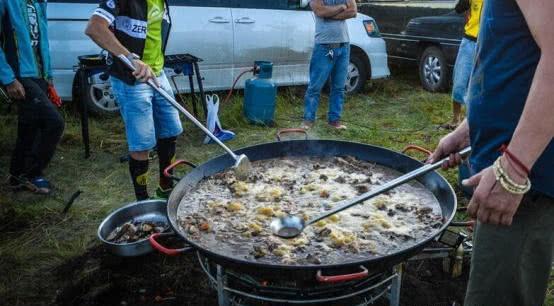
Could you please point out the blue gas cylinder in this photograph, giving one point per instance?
(260, 93)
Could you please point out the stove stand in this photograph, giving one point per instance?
(236, 289)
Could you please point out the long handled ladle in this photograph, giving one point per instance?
(242, 165)
(292, 226)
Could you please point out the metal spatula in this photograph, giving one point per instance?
(242, 165)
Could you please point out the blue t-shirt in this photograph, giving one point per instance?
(331, 31)
(506, 60)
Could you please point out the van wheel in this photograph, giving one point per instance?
(358, 73)
(433, 70)
(99, 97)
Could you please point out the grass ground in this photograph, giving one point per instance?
(37, 237)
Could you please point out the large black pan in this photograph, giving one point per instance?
(315, 148)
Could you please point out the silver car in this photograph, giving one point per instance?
(229, 35)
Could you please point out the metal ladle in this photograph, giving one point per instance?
(242, 166)
(292, 226)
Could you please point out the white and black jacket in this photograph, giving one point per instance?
(128, 20)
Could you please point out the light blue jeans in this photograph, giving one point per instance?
(327, 63)
(462, 70)
(147, 115)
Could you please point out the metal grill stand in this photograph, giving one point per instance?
(83, 71)
(187, 65)
(233, 289)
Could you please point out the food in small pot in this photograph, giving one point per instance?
(133, 231)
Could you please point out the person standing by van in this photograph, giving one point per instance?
(330, 59)
(26, 75)
(466, 54)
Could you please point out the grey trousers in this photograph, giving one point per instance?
(511, 264)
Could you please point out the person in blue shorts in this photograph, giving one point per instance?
(138, 30)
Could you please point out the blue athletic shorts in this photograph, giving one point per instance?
(147, 115)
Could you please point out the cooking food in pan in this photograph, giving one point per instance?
(232, 216)
(134, 231)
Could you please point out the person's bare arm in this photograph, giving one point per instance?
(98, 29)
(350, 12)
(326, 11)
(535, 129)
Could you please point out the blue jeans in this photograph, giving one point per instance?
(322, 66)
(462, 70)
(147, 115)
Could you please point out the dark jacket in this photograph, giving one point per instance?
(17, 57)
(128, 19)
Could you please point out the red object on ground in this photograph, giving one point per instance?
(53, 96)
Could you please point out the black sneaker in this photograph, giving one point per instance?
(17, 183)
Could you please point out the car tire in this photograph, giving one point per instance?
(99, 97)
(358, 73)
(434, 73)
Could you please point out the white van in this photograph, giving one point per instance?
(229, 35)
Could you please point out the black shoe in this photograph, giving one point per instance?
(17, 183)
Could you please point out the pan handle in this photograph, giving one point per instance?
(167, 251)
(175, 164)
(469, 224)
(287, 131)
(417, 148)
(341, 278)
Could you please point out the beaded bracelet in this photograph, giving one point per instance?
(507, 182)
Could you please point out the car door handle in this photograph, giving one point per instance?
(245, 20)
(219, 20)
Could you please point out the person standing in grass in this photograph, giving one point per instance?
(510, 129)
(138, 30)
(26, 76)
(330, 59)
(466, 54)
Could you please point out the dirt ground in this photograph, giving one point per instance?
(98, 278)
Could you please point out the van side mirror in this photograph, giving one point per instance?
(304, 3)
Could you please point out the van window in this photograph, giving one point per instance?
(74, 1)
(263, 4)
(295, 5)
(205, 3)
(247, 4)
